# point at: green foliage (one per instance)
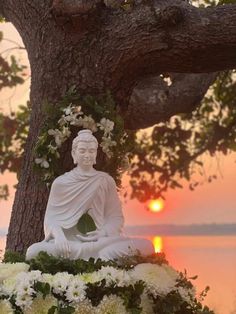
(173, 151)
(50, 264)
(13, 134)
(11, 72)
(86, 224)
(13, 257)
(4, 192)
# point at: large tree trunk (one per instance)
(98, 47)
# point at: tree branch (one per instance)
(169, 36)
(74, 7)
(159, 99)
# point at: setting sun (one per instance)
(156, 206)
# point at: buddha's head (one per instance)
(84, 149)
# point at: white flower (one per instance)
(106, 144)
(106, 125)
(160, 280)
(47, 278)
(90, 277)
(111, 305)
(61, 282)
(23, 300)
(41, 305)
(42, 162)
(112, 275)
(76, 290)
(8, 270)
(84, 307)
(9, 285)
(5, 307)
(66, 132)
(89, 123)
(58, 136)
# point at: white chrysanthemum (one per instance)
(8, 270)
(5, 307)
(9, 285)
(85, 307)
(174, 274)
(28, 278)
(146, 304)
(47, 278)
(76, 291)
(90, 277)
(41, 305)
(112, 275)
(61, 282)
(24, 287)
(106, 125)
(159, 280)
(111, 305)
(24, 301)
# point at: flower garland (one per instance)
(144, 288)
(72, 114)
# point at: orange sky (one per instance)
(215, 202)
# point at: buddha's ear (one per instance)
(73, 156)
(95, 160)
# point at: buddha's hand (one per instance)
(62, 247)
(92, 235)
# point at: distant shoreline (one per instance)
(183, 230)
(174, 230)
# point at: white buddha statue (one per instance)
(80, 191)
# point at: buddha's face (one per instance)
(85, 154)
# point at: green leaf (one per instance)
(52, 310)
(86, 224)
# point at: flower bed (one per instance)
(48, 285)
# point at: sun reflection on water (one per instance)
(158, 244)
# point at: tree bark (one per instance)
(109, 49)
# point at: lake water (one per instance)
(212, 258)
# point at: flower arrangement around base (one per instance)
(135, 285)
(73, 113)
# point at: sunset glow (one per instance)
(158, 244)
(156, 206)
